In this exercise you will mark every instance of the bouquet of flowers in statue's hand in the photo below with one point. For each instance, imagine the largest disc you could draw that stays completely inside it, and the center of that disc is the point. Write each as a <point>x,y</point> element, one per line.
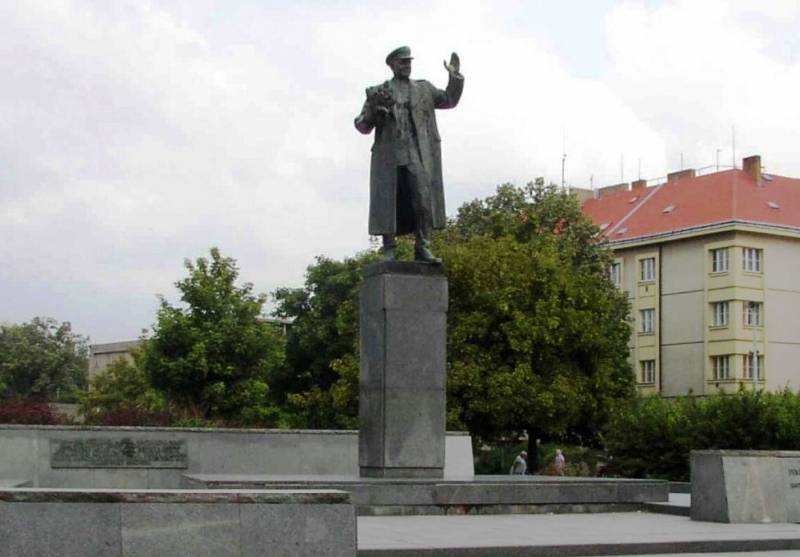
<point>380,99</point>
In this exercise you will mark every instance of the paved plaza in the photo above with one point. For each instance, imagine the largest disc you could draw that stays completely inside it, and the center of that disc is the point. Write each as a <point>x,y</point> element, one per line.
<point>567,534</point>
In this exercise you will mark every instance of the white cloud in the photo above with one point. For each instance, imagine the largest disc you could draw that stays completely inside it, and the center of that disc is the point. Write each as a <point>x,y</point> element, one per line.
<point>693,70</point>
<point>137,134</point>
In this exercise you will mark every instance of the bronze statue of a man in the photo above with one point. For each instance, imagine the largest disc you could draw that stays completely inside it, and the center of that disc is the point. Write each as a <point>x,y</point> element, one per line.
<point>406,192</point>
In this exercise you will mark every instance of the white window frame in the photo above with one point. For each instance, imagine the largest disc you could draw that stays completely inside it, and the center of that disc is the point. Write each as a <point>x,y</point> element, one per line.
<point>648,372</point>
<point>719,260</point>
<point>720,312</point>
<point>747,366</point>
<point>647,269</point>
<point>615,273</point>
<point>751,260</point>
<point>753,314</point>
<point>721,367</point>
<point>647,317</point>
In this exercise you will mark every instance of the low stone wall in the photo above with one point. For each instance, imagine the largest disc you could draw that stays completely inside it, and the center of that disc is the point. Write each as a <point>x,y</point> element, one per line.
<point>746,486</point>
<point>157,458</point>
<point>483,495</point>
<point>105,523</point>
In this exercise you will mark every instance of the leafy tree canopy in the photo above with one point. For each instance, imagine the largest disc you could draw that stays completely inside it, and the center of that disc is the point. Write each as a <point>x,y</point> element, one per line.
<point>320,380</point>
<point>42,359</point>
<point>215,355</point>
<point>537,334</point>
<point>123,384</point>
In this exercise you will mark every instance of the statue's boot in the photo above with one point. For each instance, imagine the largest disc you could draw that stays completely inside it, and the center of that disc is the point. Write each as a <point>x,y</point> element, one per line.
<point>422,247</point>
<point>389,247</point>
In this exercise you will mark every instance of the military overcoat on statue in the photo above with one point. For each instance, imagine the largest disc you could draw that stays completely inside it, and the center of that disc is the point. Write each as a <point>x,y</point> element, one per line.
<point>384,204</point>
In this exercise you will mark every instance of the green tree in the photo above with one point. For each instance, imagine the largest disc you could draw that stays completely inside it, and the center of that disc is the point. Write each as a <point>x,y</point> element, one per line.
<point>319,382</point>
<point>122,385</point>
<point>537,334</point>
<point>42,359</point>
<point>215,355</point>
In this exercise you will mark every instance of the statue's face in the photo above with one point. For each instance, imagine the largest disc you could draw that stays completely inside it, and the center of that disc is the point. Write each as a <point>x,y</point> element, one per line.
<point>401,67</point>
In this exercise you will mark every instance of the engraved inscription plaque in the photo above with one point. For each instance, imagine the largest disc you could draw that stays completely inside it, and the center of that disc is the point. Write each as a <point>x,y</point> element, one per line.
<point>792,494</point>
<point>118,453</point>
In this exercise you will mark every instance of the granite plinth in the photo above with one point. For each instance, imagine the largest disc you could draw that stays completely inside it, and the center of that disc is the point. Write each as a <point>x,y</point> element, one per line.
<point>746,486</point>
<point>72,523</point>
<point>484,495</point>
<point>403,318</point>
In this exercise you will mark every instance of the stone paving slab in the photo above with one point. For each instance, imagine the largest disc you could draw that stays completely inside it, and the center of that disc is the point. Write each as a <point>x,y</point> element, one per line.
<point>787,553</point>
<point>564,535</point>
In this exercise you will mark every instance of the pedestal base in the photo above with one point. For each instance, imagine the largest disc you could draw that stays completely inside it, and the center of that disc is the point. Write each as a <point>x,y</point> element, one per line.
<point>403,317</point>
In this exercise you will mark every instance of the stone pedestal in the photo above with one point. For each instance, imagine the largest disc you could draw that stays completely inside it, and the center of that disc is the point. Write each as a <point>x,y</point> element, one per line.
<point>746,486</point>
<point>403,317</point>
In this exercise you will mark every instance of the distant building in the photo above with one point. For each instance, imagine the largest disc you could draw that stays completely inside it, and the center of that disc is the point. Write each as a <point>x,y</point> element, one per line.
<point>711,265</point>
<point>103,355</point>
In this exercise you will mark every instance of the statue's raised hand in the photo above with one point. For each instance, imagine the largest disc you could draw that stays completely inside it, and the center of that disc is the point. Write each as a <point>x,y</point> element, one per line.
<point>454,67</point>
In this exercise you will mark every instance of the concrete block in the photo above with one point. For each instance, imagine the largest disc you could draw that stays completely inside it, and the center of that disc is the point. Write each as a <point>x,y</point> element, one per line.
<point>414,428</point>
<point>746,486</point>
<point>416,351</point>
<point>133,478</point>
<point>19,455</point>
<point>458,463</point>
<point>180,529</point>
<point>298,530</point>
<point>66,530</point>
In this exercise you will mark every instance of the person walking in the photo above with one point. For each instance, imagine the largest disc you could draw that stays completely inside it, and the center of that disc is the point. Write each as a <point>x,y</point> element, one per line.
<point>560,462</point>
<point>520,465</point>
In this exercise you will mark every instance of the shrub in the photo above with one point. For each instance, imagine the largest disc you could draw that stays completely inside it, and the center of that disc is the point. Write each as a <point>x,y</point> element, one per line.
<point>33,412</point>
<point>653,437</point>
<point>131,416</point>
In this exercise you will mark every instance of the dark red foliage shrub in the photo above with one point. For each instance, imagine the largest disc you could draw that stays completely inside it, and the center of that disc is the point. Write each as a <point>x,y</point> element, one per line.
<point>31,412</point>
<point>127,416</point>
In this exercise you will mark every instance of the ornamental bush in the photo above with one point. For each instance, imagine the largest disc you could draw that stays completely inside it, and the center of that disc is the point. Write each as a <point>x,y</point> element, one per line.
<point>32,412</point>
<point>653,436</point>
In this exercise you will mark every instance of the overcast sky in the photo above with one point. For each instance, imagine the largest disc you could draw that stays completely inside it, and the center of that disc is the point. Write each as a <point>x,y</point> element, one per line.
<point>136,134</point>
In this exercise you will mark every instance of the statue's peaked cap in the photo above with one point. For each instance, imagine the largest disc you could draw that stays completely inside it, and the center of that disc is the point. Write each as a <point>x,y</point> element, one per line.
<point>398,54</point>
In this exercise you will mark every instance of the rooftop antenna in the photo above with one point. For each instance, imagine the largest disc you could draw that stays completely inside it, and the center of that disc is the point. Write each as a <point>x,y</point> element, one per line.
<point>718,150</point>
<point>681,160</point>
<point>640,169</point>
<point>733,147</point>
<point>563,156</point>
<point>621,167</point>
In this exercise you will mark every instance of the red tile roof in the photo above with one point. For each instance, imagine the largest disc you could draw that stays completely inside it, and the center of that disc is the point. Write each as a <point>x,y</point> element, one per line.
<point>722,197</point>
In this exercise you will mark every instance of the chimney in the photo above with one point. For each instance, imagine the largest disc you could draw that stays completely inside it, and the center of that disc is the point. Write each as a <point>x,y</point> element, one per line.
<point>638,184</point>
<point>752,166</point>
<point>611,189</point>
<point>582,194</point>
<point>680,175</point>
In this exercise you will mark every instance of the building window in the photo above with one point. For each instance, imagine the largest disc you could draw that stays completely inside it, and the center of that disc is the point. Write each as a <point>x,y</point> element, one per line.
<point>748,362</point>
<point>647,269</point>
<point>753,314</point>
<point>719,260</point>
<point>647,317</point>
<point>751,260</point>
<point>720,314</point>
<point>615,273</point>
<point>720,366</point>
<point>648,370</point>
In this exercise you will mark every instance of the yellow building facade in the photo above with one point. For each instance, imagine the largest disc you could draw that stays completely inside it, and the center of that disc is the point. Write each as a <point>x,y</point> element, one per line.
<point>715,304</point>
